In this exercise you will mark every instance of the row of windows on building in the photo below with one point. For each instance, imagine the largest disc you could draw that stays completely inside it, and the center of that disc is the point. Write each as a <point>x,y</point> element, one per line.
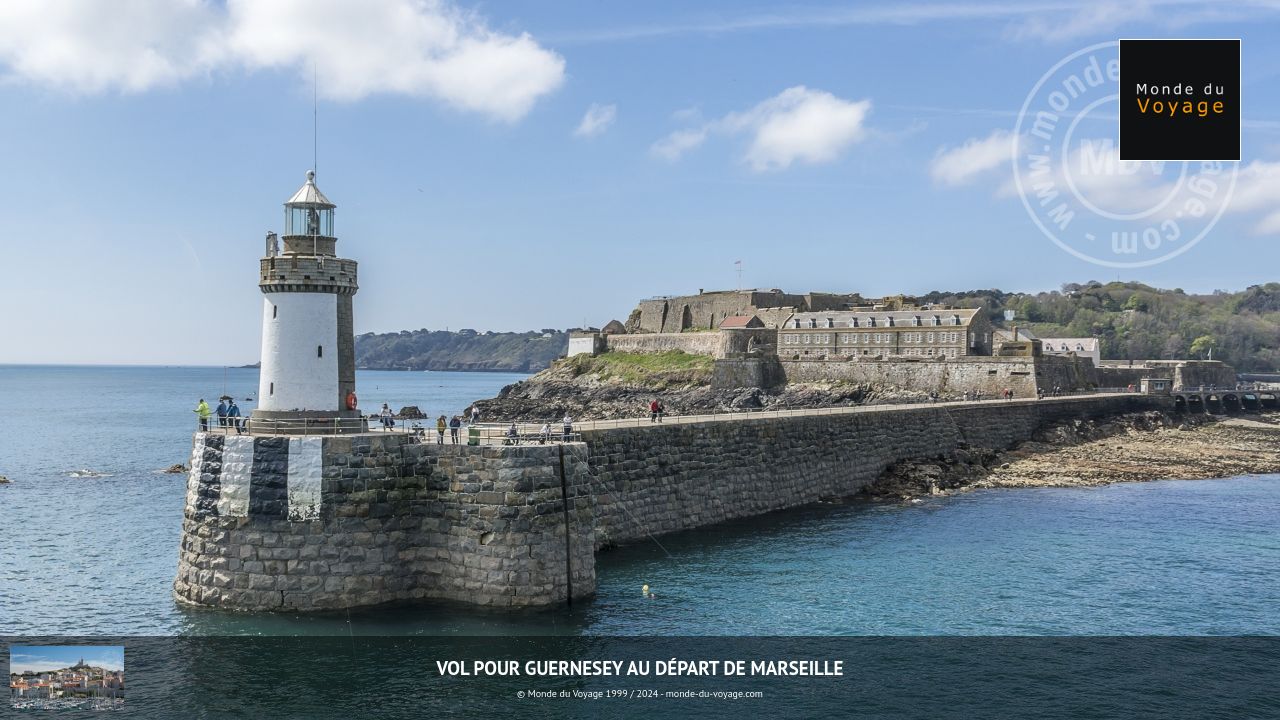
<point>915,321</point>
<point>871,338</point>
<point>901,352</point>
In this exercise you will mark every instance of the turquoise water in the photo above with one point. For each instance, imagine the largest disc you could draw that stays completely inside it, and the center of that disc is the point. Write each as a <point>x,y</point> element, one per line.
<point>96,555</point>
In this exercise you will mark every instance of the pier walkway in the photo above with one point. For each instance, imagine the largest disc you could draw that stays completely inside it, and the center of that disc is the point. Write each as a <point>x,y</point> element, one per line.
<point>530,433</point>
<point>1193,400</point>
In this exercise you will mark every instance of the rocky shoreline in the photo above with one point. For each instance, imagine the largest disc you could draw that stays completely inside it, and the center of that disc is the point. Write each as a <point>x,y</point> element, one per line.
<point>1139,447</point>
<point>580,390</point>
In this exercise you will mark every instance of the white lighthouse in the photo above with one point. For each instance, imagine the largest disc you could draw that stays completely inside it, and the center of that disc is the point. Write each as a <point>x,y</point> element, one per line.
<point>308,347</point>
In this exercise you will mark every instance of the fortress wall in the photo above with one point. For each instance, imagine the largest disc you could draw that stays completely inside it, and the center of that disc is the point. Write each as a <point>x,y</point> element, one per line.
<point>1066,372</point>
<point>707,310</point>
<point>695,343</point>
<point>274,523</point>
<point>1111,376</point>
<point>656,479</point>
<point>1202,373</point>
<point>951,377</point>
<point>1184,373</point>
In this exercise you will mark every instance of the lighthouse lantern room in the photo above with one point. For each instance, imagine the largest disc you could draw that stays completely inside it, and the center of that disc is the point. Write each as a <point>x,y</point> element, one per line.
<point>307,381</point>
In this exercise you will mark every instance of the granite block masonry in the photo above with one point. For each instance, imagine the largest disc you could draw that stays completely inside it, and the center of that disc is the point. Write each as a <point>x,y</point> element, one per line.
<point>299,524</point>
<point>319,523</point>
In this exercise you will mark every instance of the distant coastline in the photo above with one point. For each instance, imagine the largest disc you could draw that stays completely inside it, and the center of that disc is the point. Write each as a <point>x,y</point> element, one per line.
<point>257,366</point>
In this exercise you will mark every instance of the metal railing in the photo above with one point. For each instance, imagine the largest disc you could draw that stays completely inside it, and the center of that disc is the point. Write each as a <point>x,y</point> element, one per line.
<point>1238,387</point>
<point>260,426</point>
<point>466,434</point>
<point>531,433</point>
<point>754,413</point>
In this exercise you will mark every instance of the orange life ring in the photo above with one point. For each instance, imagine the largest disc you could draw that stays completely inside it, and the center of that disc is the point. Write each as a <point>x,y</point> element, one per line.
<point>351,400</point>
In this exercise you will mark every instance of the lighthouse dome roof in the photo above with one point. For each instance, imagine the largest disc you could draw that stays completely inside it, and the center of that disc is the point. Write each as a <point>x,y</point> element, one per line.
<point>309,194</point>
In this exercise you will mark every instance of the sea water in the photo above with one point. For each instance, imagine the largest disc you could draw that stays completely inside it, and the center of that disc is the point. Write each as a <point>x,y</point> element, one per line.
<point>89,531</point>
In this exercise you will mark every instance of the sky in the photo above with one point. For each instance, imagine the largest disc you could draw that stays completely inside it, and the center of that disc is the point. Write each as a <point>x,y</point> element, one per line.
<point>42,658</point>
<point>512,166</point>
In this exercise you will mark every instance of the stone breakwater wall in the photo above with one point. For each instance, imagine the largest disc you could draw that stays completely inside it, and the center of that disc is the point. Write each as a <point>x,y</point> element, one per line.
<point>310,523</point>
<point>278,523</point>
<point>658,479</point>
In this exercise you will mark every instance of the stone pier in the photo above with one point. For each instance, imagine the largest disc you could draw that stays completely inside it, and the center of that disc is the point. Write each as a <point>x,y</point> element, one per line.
<point>320,523</point>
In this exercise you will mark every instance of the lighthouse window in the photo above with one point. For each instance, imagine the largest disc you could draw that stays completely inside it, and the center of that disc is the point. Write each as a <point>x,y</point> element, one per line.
<point>275,310</point>
<point>319,351</point>
<point>271,390</point>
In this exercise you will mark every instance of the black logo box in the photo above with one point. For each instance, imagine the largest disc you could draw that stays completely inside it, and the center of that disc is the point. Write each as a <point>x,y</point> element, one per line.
<point>1187,69</point>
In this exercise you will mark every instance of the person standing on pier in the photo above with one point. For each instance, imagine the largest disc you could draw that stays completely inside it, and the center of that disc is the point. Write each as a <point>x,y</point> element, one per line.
<point>455,424</point>
<point>387,420</point>
<point>475,415</point>
<point>202,412</point>
<point>233,417</point>
<point>653,410</point>
<point>441,424</point>
<point>222,411</point>
<point>544,435</point>
<point>568,427</point>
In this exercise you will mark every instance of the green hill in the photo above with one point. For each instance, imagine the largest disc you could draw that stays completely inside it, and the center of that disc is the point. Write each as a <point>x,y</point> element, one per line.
<point>1134,321</point>
<point>461,350</point>
<point>1139,322</point>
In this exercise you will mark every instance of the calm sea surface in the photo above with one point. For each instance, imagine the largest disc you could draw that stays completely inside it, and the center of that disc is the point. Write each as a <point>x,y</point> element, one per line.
<point>96,555</point>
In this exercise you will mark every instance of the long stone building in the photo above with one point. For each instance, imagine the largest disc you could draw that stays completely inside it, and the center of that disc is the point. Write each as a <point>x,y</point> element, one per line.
<point>894,329</point>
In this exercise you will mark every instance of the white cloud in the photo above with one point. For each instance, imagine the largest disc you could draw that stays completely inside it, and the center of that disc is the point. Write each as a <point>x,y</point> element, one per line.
<point>1097,173</point>
<point>1258,188</point>
<point>1094,18</point>
<point>961,165</point>
<point>421,48</point>
<point>597,119</point>
<point>799,125</point>
<point>87,46</point>
<point>675,145</point>
<point>1029,20</point>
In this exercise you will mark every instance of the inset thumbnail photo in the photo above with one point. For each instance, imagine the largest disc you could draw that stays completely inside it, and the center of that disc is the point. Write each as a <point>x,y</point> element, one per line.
<point>85,677</point>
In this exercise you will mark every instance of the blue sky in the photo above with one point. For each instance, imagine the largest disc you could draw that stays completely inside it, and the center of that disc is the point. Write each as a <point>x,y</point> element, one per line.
<point>512,166</point>
<point>40,658</point>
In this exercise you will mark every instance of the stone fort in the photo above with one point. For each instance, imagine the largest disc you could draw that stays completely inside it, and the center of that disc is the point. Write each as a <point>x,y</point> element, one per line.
<point>707,309</point>
<point>768,338</point>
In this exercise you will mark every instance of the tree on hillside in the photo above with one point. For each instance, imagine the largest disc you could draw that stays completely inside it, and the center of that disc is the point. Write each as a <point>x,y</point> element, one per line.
<point>1203,345</point>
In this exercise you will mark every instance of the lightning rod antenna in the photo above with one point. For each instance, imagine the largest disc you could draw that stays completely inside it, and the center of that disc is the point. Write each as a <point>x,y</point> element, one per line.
<point>315,117</point>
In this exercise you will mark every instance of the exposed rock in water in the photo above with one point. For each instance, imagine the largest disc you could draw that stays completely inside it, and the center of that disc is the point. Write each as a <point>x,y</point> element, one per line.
<point>410,412</point>
<point>1136,447</point>
<point>175,469</point>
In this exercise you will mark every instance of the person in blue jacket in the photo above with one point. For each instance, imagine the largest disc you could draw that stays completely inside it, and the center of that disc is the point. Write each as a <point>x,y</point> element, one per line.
<point>233,417</point>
